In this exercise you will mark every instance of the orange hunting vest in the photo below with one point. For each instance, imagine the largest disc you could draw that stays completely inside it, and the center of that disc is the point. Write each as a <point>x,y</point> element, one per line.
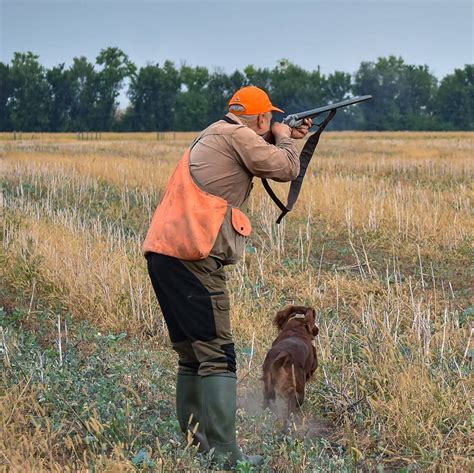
<point>187,221</point>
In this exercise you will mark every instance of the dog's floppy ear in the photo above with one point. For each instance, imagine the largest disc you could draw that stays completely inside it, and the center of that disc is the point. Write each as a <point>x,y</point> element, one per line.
<point>311,321</point>
<point>282,316</point>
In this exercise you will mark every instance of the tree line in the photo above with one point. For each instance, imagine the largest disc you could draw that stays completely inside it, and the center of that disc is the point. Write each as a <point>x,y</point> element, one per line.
<point>83,97</point>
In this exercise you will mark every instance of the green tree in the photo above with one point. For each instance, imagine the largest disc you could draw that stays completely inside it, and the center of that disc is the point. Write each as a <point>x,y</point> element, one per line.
<point>30,96</point>
<point>218,91</point>
<point>418,88</point>
<point>403,94</point>
<point>192,110</point>
<point>259,77</point>
<point>237,81</point>
<point>61,98</point>
<point>84,82</point>
<point>382,80</point>
<point>455,99</point>
<point>84,97</point>
<point>152,95</point>
<point>295,89</point>
<point>6,93</point>
<point>337,88</point>
<point>116,66</point>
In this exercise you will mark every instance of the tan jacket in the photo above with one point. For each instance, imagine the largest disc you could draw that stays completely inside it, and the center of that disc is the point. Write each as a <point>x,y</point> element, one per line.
<point>224,159</point>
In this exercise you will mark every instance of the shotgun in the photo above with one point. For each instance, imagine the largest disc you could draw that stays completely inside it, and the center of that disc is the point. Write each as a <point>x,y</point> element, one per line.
<point>294,120</point>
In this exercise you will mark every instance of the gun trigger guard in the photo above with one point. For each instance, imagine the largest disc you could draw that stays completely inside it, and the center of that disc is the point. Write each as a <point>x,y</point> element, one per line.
<point>291,121</point>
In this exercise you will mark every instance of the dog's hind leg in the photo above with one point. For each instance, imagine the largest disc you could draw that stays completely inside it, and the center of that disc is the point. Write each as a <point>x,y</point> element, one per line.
<point>300,397</point>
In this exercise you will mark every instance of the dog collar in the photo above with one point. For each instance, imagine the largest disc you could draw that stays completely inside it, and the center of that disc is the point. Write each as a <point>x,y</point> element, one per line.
<point>300,316</point>
<point>297,316</point>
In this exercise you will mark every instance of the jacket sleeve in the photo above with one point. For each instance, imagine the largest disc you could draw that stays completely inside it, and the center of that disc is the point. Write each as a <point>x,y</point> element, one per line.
<point>279,162</point>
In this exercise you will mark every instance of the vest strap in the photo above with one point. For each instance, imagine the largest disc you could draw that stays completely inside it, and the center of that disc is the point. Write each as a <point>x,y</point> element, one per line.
<point>229,120</point>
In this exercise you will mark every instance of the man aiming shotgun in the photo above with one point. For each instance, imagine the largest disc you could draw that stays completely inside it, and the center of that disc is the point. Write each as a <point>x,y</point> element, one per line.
<point>198,228</point>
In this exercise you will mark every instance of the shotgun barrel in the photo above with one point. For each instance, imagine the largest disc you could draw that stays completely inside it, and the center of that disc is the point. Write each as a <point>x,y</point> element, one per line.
<point>296,119</point>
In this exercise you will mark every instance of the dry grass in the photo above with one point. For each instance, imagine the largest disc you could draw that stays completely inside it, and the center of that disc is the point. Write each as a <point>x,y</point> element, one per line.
<point>94,137</point>
<point>380,243</point>
<point>30,442</point>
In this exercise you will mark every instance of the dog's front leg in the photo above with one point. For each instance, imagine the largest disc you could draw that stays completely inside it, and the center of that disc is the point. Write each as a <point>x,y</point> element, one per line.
<point>300,397</point>
<point>292,403</point>
<point>268,392</point>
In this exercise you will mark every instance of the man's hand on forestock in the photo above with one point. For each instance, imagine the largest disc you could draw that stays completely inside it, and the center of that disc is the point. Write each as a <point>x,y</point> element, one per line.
<point>301,131</point>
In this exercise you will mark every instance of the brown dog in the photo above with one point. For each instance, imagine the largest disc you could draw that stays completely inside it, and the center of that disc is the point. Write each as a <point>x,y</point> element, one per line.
<point>292,360</point>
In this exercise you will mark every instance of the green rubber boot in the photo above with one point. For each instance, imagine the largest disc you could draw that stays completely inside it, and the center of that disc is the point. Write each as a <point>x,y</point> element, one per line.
<point>189,402</point>
<point>219,400</point>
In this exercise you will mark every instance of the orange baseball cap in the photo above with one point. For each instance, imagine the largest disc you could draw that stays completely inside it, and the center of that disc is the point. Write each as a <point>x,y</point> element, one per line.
<point>251,100</point>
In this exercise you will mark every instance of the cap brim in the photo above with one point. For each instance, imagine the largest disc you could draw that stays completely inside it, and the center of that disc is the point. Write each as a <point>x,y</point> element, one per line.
<point>276,109</point>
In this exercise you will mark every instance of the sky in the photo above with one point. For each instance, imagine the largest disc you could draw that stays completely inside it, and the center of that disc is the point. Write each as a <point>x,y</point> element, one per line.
<point>228,35</point>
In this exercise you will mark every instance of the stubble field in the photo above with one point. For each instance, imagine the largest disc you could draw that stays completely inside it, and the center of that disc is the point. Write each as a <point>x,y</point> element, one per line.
<point>380,244</point>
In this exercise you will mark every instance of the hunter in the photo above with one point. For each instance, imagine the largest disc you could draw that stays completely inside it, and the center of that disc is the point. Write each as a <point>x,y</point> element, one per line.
<point>199,227</point>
